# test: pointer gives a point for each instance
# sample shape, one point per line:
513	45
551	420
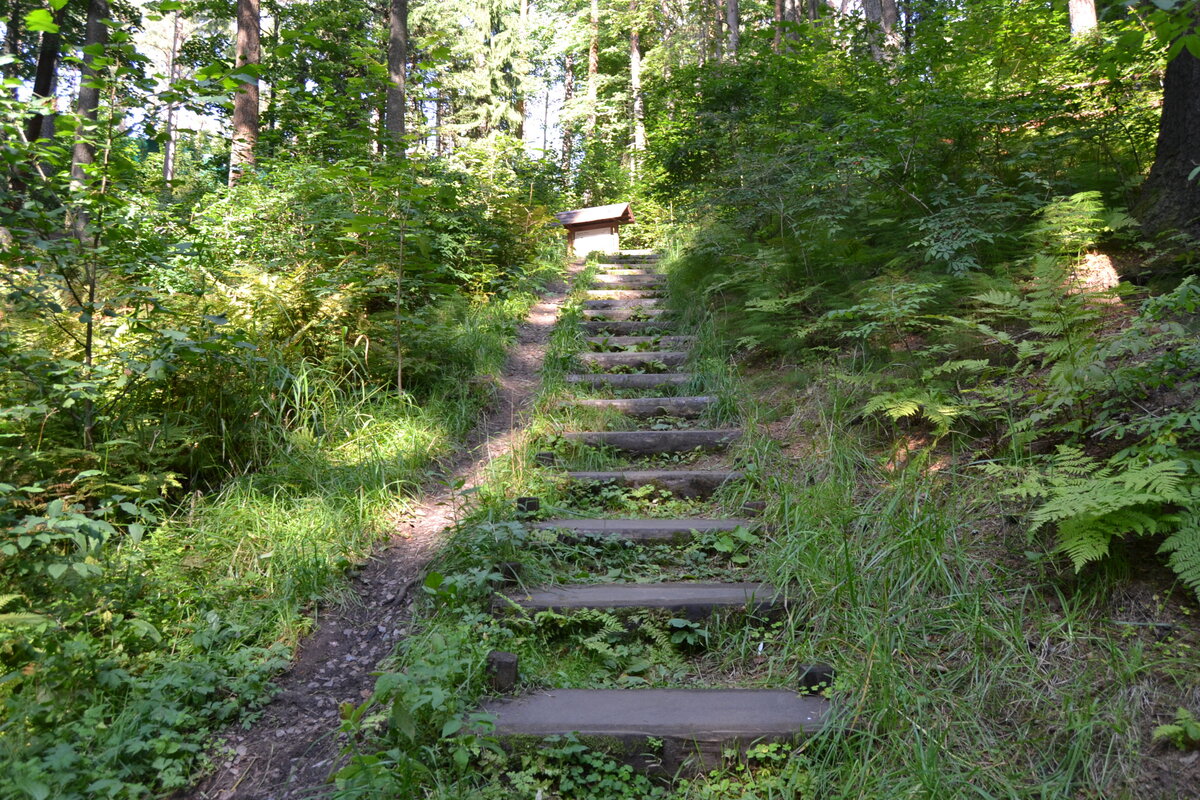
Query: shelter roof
619	213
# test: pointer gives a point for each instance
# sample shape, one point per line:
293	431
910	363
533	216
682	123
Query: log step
624	327
681	482
642	407
618	381
634	341
637	279
687	599
691	729
644	358
621	294
644	531
650	442
630	257
622	314
637	302
626	272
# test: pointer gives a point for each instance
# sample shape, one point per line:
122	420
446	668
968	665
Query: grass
116	693
968	664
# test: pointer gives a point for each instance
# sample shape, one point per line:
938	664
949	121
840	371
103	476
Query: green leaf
400	719
56	571
145	630
451	727
40	20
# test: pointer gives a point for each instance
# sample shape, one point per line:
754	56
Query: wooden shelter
595	228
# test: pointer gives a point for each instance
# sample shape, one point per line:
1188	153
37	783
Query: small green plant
1183	733
687	632
1092	503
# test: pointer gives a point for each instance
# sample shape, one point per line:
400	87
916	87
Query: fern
1184	547
1092	503
928	404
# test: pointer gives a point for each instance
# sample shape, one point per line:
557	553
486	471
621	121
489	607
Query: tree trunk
733	22
778	18
523	37
568	95
882	16
45	81
1171	194
245	101
88	105
397	65
1083	16
635	88
593	67
172	76
12	42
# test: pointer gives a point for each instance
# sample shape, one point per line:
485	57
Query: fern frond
1083	541
1000	299
964	365
1184	547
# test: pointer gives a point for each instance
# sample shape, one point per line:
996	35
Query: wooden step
635	359
636	279
624	327
644	531
684	599
681	482
634	341
638	302
627	272
659	380
642	407
622	314
621	294
666	732
630	257
651	442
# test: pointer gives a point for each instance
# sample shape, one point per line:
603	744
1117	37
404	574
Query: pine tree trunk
1083	16
245	100
1171	194
397	65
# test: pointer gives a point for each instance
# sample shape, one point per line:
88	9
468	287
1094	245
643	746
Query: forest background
261	260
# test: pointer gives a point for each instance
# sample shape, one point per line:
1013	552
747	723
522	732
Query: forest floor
290	752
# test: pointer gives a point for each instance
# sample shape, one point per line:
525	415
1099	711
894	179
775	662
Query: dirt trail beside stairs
291	751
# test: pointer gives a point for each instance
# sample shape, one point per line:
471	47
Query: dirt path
291	751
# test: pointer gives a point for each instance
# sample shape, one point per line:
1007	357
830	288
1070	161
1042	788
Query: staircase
668	731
